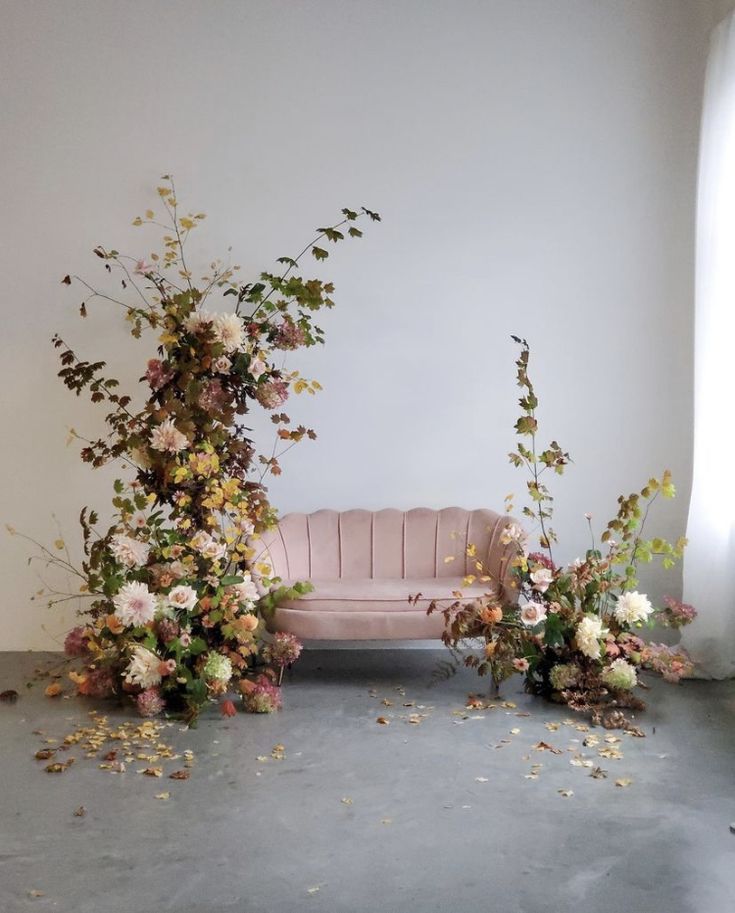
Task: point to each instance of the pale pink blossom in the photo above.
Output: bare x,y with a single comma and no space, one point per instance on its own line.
167,438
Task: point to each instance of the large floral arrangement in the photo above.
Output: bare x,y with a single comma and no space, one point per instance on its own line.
573,631
176,594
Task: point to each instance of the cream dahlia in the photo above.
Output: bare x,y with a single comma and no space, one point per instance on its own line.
632,608
128,551
588,635
227,329
142,669
135,604
167,438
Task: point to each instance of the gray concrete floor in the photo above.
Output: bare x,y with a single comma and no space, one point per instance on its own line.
421,832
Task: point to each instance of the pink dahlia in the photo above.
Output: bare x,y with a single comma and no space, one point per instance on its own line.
284,650
272,394
150,702
76,642
261,696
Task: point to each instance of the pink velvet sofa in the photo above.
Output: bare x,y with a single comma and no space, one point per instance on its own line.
364,566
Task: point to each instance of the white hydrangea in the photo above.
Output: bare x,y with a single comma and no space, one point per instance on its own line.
632,608
217,668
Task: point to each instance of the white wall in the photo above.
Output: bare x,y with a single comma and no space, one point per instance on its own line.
534,162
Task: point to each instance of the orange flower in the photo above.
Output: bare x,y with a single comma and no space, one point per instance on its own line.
227,708
491,615
53,690
114,624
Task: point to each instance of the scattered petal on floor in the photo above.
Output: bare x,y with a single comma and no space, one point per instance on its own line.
180,775
345,800
383,721
598,773
163,796
481,779
566,793
623,781
386,821
80,812
515,731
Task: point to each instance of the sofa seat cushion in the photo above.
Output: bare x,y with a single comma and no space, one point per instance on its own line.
368,609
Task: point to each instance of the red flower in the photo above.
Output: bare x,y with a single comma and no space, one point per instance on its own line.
227,708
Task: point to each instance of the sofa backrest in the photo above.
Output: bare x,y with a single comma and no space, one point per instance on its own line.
388,543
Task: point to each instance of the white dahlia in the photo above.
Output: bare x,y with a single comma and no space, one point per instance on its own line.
588,635
197,320
167,438
227,329
632,608
128,551
143,669
135,604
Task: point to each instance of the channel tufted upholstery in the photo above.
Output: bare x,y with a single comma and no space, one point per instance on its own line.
364,566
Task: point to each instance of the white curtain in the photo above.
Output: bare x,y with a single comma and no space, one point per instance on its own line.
709,565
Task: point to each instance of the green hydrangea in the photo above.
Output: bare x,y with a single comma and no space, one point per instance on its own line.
620,676
217,668
565,675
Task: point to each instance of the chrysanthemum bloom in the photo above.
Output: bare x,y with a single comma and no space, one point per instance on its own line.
142,669
217,668
533,613
76,642
284,650
588,635
157,373
520,664
150,702
257,367
167,438
632,608
135,604
261,696
128,551
182,597
541,578
289,336
228,330
490,614
563,676
272,394
620,675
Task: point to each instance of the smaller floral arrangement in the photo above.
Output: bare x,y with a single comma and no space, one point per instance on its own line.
573,631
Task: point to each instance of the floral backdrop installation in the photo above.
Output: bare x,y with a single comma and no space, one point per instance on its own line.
571,630
177,598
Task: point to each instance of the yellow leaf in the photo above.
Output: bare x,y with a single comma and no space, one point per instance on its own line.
59,543
149,214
